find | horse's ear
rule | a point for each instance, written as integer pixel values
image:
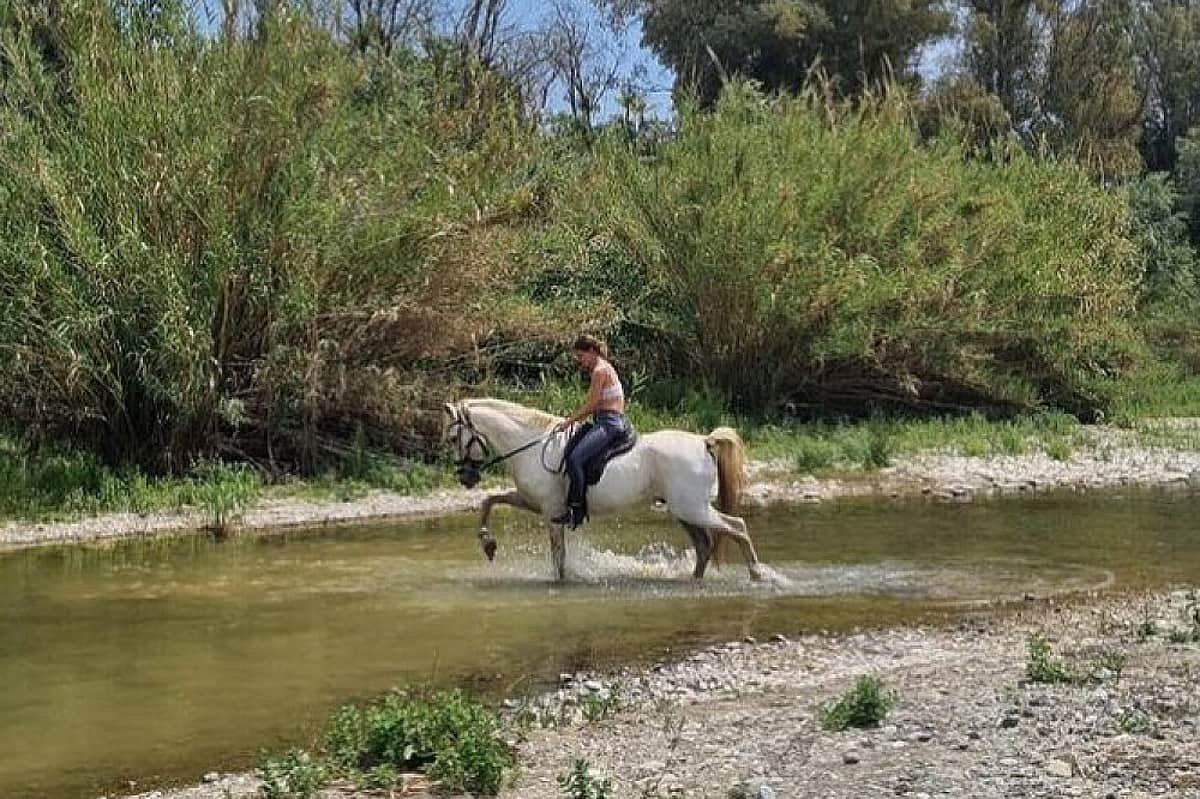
(450, 413)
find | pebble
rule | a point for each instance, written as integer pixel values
(850, 758)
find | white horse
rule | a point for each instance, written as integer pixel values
(672, 466)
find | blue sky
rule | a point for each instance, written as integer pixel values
(656, 78)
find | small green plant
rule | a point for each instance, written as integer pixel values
(293, 775)
(1008, 440)
(1146, 629)
(548, 719)
(880, 450)
(814, 454)
(864, 705)
(524, 721)
(1041, 666)
(1136, 723)
(580, 784)
(223, 492)
(599, 706)
(1111, 662)
(383, 776)
(1059, 449)
(452, 738)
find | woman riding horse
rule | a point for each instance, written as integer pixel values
(605, 403)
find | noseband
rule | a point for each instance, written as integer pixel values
(470, 470)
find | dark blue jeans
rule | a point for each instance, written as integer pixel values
(607, 426)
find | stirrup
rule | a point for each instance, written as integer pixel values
(572, 516)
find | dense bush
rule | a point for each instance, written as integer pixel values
(241, 247)
(280, 248)
(822, 253)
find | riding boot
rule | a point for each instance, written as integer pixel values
(576, 510)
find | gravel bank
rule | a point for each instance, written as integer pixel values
(968, 723)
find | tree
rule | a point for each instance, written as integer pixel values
(1063, 72)
(1000, 51)
(386, 23)
(583, 62)
(777, 42)
(1167, 45)
(1089, 101)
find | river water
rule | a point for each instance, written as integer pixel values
(159, 660)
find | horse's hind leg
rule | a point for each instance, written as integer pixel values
(735, 528)
(700, 542)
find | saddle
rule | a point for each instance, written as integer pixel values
(593, 470)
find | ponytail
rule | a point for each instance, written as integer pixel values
(586, 343)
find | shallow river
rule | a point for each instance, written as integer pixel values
(159, 660)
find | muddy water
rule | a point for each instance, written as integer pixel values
(156, 661)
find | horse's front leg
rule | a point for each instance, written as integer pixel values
(513, 498)
(558, 550)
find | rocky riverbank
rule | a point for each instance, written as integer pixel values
(743, 719)
(1110, 459)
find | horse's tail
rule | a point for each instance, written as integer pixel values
(726, 446)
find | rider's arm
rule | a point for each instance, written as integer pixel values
(593, 399)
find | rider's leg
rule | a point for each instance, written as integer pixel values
(592, 443)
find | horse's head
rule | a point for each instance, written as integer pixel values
(471, 450)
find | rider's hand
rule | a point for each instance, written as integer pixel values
(562, 426)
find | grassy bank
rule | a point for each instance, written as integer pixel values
(44, 484)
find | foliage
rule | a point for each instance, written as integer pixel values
(1042, 667)
(580, 784)
(1170, 269)
(865, 705)
(452, 738)
(293, 775)
(238, 246)
(901, 276)
(856, 43)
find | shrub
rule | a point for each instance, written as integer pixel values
(450, 737)
(1042, 667)
(580, 784)
(864, 705)
(293, 775)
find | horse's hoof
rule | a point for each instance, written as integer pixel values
(489, 544)
(756, 573)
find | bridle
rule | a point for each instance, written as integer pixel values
(470, 469)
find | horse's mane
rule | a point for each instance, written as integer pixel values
(522, 413)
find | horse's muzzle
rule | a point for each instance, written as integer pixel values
(468, 474)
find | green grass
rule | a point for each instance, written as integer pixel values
(867, 445)
(54, 484)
